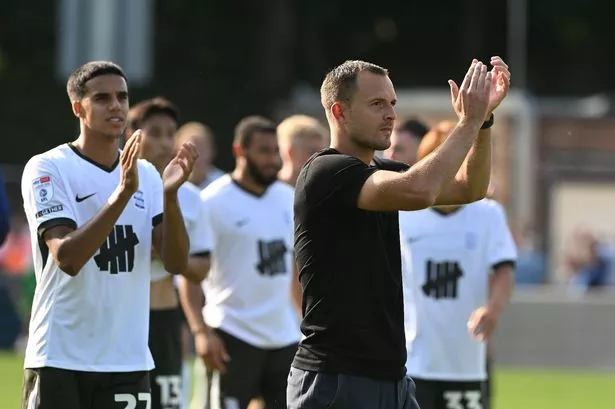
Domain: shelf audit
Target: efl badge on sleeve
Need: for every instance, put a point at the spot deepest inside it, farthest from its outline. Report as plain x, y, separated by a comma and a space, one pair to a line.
42, 189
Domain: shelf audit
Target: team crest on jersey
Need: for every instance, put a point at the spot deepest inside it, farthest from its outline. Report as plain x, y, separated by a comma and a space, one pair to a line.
139, 200
43, 189
471, 241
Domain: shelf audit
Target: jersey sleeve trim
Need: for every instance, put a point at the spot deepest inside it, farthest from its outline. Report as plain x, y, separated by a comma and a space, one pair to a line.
202, 254
503, 263
156, 220
60, 221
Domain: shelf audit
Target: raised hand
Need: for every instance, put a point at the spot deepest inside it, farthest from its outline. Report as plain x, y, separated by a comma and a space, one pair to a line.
500, 83
129, 174
471, 100
179, 169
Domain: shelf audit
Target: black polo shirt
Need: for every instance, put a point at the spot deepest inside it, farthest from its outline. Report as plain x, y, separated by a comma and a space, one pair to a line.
350, 270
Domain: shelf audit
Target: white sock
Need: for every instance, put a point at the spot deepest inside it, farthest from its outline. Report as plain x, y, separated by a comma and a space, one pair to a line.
199, 391
186, 383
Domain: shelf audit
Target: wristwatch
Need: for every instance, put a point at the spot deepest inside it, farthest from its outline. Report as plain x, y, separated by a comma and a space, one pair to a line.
488, 123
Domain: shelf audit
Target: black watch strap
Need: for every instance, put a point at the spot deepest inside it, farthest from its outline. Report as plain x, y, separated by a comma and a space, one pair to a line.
488, 123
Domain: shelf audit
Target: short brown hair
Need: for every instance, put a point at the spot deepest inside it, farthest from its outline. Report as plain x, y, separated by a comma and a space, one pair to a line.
434, 138
296, 128
340, 83
140, 112
249, 126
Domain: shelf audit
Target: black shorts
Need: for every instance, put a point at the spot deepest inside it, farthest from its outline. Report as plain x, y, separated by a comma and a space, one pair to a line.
448, 394
252, 372
53, 388
166, 347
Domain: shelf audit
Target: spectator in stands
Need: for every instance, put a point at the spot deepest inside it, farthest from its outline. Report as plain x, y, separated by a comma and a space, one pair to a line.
589, 261
531, 260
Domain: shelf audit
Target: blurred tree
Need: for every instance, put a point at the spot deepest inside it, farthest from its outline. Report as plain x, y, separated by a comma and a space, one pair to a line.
222, 60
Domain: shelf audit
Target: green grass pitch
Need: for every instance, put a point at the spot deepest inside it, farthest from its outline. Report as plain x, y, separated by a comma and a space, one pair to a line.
513, 388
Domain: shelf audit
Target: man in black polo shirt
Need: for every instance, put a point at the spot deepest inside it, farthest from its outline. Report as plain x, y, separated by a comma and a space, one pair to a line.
347, 242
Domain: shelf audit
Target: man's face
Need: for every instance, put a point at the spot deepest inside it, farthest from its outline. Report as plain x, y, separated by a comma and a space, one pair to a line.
157, 143
371, 113
104, 106
404, 146
263, 158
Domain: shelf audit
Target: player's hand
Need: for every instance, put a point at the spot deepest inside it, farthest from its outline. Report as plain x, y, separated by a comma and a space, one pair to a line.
482, 323
129, 178
500, 84
180, 167
210, 348
471, 100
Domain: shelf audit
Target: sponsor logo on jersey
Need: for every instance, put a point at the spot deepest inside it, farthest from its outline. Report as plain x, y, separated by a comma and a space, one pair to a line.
49, 210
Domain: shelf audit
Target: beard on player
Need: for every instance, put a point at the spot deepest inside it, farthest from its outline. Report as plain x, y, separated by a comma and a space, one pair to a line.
264, 175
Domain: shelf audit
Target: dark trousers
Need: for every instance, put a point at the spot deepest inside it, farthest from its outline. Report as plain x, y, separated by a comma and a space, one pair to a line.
319, 390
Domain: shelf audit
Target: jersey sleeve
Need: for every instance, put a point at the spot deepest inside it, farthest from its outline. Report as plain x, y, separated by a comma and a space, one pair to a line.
157, 194
200, 232
46, 200
206, 224
502, 248
336, 179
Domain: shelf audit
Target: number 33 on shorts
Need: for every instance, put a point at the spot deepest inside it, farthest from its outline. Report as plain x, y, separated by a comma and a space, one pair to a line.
463, 400
142, 401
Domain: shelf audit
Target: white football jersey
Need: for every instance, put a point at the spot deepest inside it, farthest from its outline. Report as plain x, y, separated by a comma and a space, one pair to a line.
247, 291
190, 204
447, 262
98, 320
